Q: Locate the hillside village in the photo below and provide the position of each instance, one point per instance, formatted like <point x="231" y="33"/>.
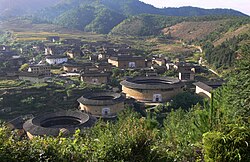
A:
<point x="73" y="64"/>
<point x="117" y="80"/>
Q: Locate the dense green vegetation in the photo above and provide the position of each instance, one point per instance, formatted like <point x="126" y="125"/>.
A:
<point x="145" y="25"/>
<point x="5" y="37"/>
<point x="149" y="25"/>
<point x="223" y="46"/>
<point x="225" y="54"/>
<point x="103" y="16"/>
<point x="22" y="97"/>
<point x="236" y="93"/>
<point x="135" y="7"/>
<point x="230" y="144"/>
<point x="186" y="100"/>
<point x="104" y="21"/>
<point x="88" y="18"/>
<point x="76" y="18"/>
<point x="125" y="7"/>
<point x="229" y="141"/>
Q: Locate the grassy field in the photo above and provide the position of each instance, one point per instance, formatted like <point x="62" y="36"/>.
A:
<point x="10" y="84"/>
<point x="24" y="30"/>
<point x="195" y="57"/>
<point x="39" y="36"/>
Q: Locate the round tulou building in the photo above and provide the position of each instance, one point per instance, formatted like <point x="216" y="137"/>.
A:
<point x="152" y="89"/>
<point x="102" y="104"/>
<point x="52" y="124"/>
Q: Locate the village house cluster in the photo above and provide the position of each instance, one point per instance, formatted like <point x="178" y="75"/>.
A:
<point x="94" y="63"/>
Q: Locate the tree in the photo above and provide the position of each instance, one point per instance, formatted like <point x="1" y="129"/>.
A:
<point x="24" y="67"/>
<point x="229" y="140"/>
<point x="185" y="100"/>
<point x="234" y="98"/>
<point x="182" y="133"/>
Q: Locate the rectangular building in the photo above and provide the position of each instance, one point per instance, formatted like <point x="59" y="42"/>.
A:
<point x="127" y="62"/>
<point x="40" y="69"/>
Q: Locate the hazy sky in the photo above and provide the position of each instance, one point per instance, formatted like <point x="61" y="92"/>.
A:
<point x="240" y="5"/>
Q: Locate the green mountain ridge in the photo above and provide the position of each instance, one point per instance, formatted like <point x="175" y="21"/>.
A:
<point x="99" y="16"/>
<point x="144" y="25"/>
<point x="115" y="12"/>
<point x="90" y="19"/>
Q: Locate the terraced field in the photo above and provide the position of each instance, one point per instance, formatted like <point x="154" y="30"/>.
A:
<point x="23" y="30"/>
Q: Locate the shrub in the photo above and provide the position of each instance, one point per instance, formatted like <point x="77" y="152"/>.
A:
<point x="231" y="144"/>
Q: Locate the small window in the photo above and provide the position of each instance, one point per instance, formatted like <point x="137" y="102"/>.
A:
<point x="157" y="98"/>
<point x="131" y="64"/>
<point x="105" y="111"/>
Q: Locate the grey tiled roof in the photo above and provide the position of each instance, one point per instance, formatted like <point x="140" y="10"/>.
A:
<point x="203" y="86"/>
<point x="101" y="98"/>
<point x="35" y="126"/>
<point x="152" y="82"/>
<point x="209" y="86"/>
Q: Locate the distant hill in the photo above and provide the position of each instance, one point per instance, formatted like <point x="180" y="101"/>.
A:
<point x="88" y="18"/>
<point x="102" y="16"/>
<point x="185" y="28"/>
<point x="11" y="8"/>
<point x="135" y="7"/>
<point x="193" y="30"/>
<point x="195" y="11"/>
<point x="145" y="25"/>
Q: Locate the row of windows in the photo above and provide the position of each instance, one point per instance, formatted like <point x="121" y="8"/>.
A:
<point x="45" y="68"/>
<point x="163" y="90"/>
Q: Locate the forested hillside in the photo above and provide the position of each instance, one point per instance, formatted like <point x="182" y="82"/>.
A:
<point x="145" y="25"/>
<point x="100" y="20"/>
<point x="222" y="46"/>
<point x="188" y="29"/>
<point x="107" y="13"/>
<point x="104" y="21"/>
<point x="225" y="54"/>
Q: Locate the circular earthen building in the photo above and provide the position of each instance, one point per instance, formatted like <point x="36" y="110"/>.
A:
<point x="152" y="89"/>
<point x="52" y="124"/>
<point x="102" y="104"/>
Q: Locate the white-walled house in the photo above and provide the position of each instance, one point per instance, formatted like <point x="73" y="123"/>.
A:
<point x="205" y="89"/>
<point x="55" y="60"/>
